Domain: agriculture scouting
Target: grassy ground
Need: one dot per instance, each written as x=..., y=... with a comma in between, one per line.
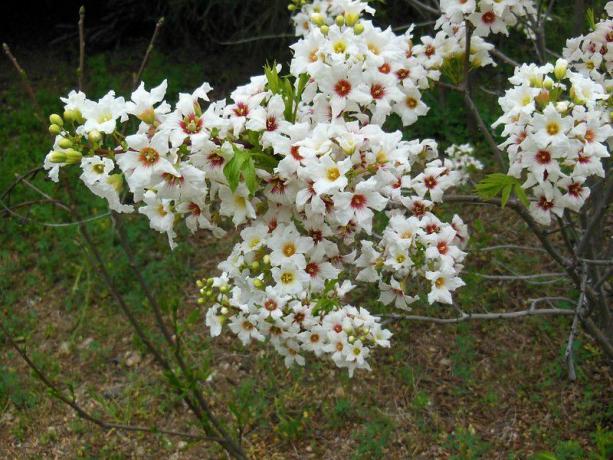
x=487, y=390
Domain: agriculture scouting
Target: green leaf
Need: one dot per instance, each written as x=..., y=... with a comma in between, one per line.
x=380, y=221
x=232, y=170
x=499, y=184
x=249, y=175
x=272, y=77
x=521, y=195
x=544, y=456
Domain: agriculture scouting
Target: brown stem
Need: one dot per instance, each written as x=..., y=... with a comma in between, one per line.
x=81, y=69
x=27, y=85
x=143, y=64
x=82, y=412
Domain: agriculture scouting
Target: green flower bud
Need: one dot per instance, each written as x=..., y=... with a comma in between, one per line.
x=209, y=282
x=255, y=265
x=199, y=283
x=340, y=20
x=73, y=115
x=73, y=156
x=324, y=29
x=201, y=300
x=317, y=18
x=94, y=136
x=57, y=157
x=358, y=28
x=224, y=289
x=224, y=311
x=547, y=83
x=116, y=180
x=266, y=259
x=351, y=19
x=560, y=69
x=258, y=284
x=55, y=129
x=209, y=293
x=55, y=119
x=65, y=143
x=351, y=339
x=291, y=7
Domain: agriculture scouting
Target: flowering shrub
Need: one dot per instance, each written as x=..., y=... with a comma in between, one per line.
x=324, y=198
x=557, y=125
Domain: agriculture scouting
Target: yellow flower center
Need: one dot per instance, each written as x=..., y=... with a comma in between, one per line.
x=553, y=128
x=287, y=278
x=440, y=282
x=289, y=249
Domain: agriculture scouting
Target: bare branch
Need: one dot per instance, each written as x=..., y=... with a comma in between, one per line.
x=27, y=85
x=143, y=64
x=57, y=393
x=81, y=69
x=508, y=246
x=483, y=316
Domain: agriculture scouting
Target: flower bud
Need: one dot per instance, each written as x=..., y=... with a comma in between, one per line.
x=536, y=81
x=324, y=29
x=562, y=106
x=55, y=129
x=340, y=20
x=317, y=19
x=542, y=98
x=55, y=119
x=351, y=19
x=548, y=83
x=266, y=259
x=73, y=156
x=291, y=7
x=224, y=311
x=73, y=115
x=148, y=116
x=57, y=157
x=255, y=265
x=94, y=136
x=224, y=289
x=116, y=180
x=201, y=300
x=351, y=339
x=199, y=283
x=209, y=282
x=209, y=293
x=358, y=28
x=560, y=69
x=258, y=284
x=65, y=143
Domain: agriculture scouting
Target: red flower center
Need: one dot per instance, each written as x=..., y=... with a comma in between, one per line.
x=172, y=180
x=403, y=73
x=575, y=189
x=342, y=88
x=358, y=201
x=149, y=156
x=442, y=247
x=241, y=109
x=385, y=68
x=543, y=157
x=377, y=91
x=194, y=209
x=216, y=160
x=488, y=17
x=270, y=305
x=271, y=124
x=430, y=182
x=544, y=204
x=295, y=151
x=191, y=124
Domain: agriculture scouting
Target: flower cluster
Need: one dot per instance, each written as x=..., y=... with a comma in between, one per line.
x=557, y=126
x=463, y=161
x=322, y=195
x=487, y=16
x=592, y=54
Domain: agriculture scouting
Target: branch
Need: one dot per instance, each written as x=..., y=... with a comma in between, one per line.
x=509, y=246
x=81, y=69
x=27, y=85
x=143, y=64
x=483, y=316
x=503, y=57
x=55, y=391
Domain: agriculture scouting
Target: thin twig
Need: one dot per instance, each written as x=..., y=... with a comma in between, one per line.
x=81, y=69
x=503, y=57
x=27, y=85
x=508, y=246
x=143, y=64
x=55, y=391
x=483, y=316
